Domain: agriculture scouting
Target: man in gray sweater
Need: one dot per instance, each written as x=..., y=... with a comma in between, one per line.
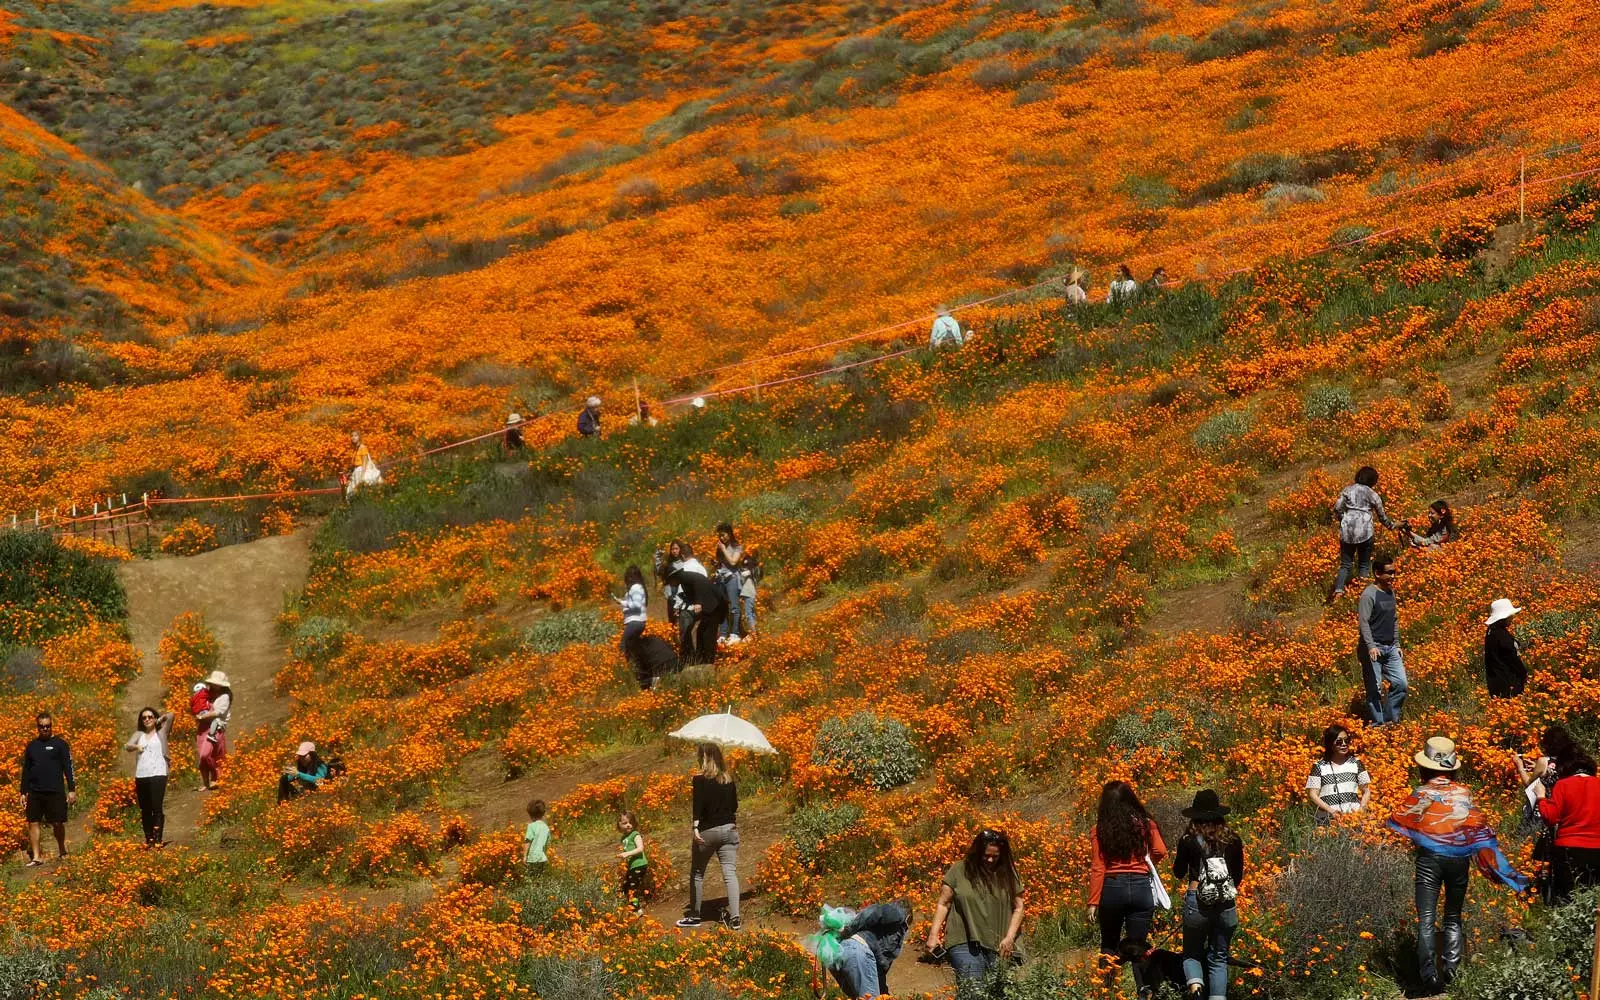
x=1380, y=646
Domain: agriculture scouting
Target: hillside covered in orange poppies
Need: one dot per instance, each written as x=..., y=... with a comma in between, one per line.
x=1093, y=543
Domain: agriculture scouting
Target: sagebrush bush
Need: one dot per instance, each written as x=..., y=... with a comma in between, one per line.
x=877, y=751
x=1560, y=624
x=318, y=640
x=1139, y=728
x=557, y=631
x=1222, y=430
x=1324, y=402
x=1373, y=894
x=46, y=589
x=557, y=899
x=1568, y=933
x=1512, y=976
x=553, y=978
x=812, y=824
x=27, y=970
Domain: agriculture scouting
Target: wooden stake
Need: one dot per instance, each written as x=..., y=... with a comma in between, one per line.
x=636, y=400
x=1522, y=192
x=1594, y=974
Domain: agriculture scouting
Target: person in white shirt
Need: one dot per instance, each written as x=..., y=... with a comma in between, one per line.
x=945, y=330
x=1124, y=289
x=632, y=602
x=150, y=770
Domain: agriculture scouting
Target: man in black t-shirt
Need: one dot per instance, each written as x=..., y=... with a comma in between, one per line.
x=48, y=787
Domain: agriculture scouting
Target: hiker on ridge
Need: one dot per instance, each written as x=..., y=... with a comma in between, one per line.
x=1124, y=289
x=589, y=419
x=48, y=786
x=1379, y=649
x=945, y=330
x=1357, y=505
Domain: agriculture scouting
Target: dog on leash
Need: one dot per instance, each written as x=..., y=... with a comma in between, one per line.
x=1154, y=968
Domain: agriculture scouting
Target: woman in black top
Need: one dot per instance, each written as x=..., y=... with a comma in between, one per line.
x=716, y=807
x=1502, y=658
x=1208, y=929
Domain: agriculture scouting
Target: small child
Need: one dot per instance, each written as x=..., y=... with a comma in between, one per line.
x=636, y=877
x=200, y=701
x=537, y=837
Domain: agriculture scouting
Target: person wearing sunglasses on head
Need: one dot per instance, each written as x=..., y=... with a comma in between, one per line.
x=48, y=786
x=980, y=911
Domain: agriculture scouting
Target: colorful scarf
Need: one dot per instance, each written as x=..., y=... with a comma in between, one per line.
x=1440, y=817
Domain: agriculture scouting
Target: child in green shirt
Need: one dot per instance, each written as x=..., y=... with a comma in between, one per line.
x=636, y=876
x=537, y=836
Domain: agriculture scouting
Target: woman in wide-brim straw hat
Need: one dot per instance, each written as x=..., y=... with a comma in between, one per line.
x=1503, y=669
x=211, y=747
x=1450, y=835
x=1209, y=845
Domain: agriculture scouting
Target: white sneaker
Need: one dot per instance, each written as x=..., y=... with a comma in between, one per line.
x=734, y=639
x=722, y=640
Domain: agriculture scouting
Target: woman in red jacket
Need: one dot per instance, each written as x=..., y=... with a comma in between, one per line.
x=1573, y=808
x=1124, y=843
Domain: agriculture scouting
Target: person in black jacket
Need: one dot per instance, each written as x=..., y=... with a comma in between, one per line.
x=48, y=786
x=708, y=604
x=1502, y=658
x=715, y=803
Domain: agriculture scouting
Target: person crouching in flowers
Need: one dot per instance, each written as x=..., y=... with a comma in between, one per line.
x=980, y=911
x=859, y=948
x=1449, y=835
x=636, y=873
x=304, y=775
x=1339, y=783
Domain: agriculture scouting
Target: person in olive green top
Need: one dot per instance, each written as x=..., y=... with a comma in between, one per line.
x=980, y=910
x=636, y=877
x=537, y=836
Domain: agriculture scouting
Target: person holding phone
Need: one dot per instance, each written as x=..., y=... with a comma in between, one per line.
x=980, y=910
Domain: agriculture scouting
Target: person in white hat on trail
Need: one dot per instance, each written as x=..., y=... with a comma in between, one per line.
x=513, y=436
x=1502, y=657
x=211, y=751
x=589, y=419
x=304, y=775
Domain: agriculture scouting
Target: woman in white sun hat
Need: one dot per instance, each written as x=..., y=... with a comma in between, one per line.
x=212, y=751
x=1502, y=658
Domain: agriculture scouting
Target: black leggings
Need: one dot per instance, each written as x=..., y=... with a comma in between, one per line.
x=152, y=794
x=289, y=787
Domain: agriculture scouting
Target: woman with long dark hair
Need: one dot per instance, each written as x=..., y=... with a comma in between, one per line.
x=1210, y=858
x=1555, y=745
x=1572, y=809
x=150, y=771
x=981, y=904
x=633, y=602
x=1123, y=845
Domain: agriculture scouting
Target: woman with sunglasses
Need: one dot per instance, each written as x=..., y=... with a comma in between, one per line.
x=981, y=904
x=1339, y=782
x=150, y=769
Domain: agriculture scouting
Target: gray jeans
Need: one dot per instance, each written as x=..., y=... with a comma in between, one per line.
x=723, y=841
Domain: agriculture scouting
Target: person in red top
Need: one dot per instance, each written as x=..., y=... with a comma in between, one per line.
x=1124, y=842
x=1573, y=808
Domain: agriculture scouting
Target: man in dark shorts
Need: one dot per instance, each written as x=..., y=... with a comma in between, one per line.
x=48, y=787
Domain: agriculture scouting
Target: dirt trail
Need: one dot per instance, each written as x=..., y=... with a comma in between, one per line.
x=240, y=590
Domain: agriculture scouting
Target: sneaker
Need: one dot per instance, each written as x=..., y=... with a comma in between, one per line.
x=722, y=640
x=734, y=640
x=689, y=922
x=733, y=924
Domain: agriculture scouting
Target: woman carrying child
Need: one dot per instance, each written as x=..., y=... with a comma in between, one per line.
x=211, y=738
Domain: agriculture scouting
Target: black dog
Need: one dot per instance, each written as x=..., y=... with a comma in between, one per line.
x=1156, y=967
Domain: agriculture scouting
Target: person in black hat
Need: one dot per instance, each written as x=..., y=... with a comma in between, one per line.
x=1210, y=862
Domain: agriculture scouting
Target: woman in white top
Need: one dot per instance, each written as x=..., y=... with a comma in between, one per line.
x=1123, y=289
x=150, y=768
x=211, y=752
x=632, y=602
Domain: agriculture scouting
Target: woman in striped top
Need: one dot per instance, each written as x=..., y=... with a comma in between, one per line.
x=1339, y=782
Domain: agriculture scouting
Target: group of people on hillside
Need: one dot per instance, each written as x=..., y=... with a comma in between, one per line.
x=1124, y=289
x=1358, y=511
x=49, y=786
x=709, y=608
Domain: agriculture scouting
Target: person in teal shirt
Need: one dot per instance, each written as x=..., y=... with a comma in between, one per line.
x=537, y=836
x=636, y=876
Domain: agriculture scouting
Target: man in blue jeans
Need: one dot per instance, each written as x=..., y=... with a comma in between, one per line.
x=1379, y=652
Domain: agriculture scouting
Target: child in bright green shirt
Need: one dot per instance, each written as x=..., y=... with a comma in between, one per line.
x=537, y=836
x=636, y=877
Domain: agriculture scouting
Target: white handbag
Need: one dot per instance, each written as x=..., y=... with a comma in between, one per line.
x=1157, y=890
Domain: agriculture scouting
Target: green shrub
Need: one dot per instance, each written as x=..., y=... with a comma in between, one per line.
x=773, y=507
x=1560, y=625
x=557, y=899
x=812, y=824
x=1222, y=430
x=318, y=640
x=27, y=970
x=21, y=669
x=1512, y=976
x=1567, y=935
x=1292, y=194
x=1138, y=728
x=798, y=206
x=46, y=590
x=1324, y=402
x=553, y=978
x=877, y=751
x=557, y=631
